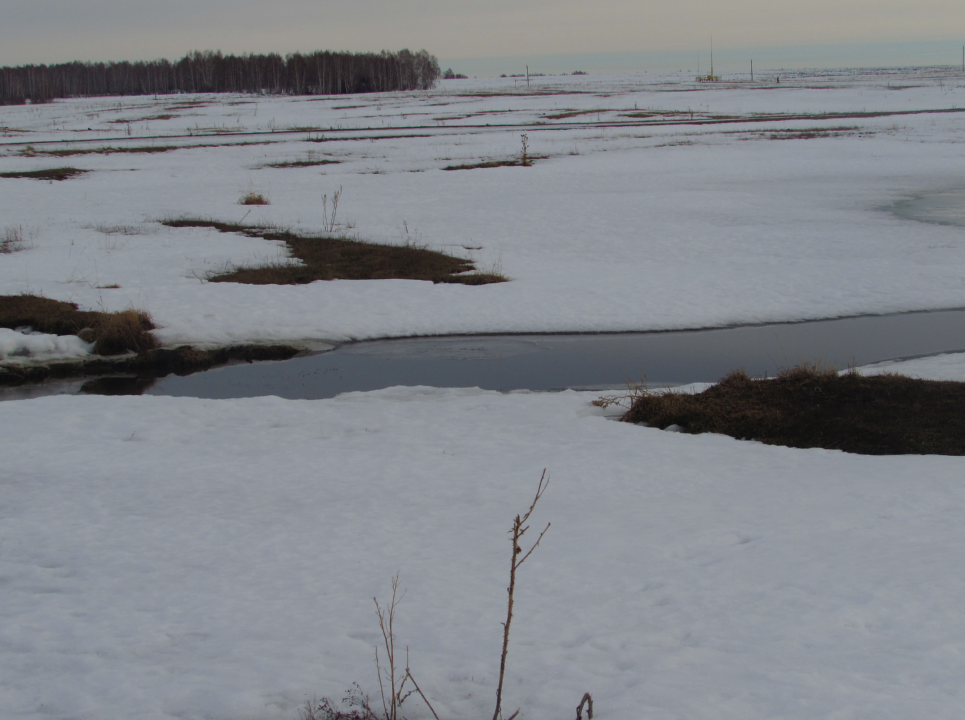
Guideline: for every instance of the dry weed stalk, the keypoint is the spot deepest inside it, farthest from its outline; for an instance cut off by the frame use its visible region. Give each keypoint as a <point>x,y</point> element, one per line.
<point>396,695</point>
<point>328,223</point>
<point>588,701</point>
<point>519,529</point>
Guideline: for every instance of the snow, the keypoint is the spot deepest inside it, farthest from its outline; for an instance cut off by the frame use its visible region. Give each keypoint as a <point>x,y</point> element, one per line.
<point>20,345</point>
<point>182,558</point>
<point>218,559</point>
<point>947,366</point>
<point>627,224</point>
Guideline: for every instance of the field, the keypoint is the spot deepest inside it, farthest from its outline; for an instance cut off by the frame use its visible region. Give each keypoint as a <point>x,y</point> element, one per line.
<point>175,557</point>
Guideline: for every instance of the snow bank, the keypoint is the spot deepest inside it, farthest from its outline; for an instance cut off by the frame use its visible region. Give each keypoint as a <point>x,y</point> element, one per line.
<point>947,366</point>
<point>18,346</point>
<point>169,557</point>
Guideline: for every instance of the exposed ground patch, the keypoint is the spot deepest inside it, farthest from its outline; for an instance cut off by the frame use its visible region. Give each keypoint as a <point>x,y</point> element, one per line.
<point>491,164</point>
<point>31,151</point>
<point>576,113</point>
<point>300,163</point>
<point>136,373</point>
<point>810,408</point>
<point>327,257</point>
<point>62,173</point>
<point>112,333</point>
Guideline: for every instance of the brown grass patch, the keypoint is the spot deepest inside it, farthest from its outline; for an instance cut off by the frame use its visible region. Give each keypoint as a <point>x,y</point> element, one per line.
<point>112,333</point>
<point>162,116</point>
<point>807,407</point>
<point>31,151</point>
<point>516,162</point>
<point>328,257</point>
<point>301,163</point>
<point>574,113</point>
<point>62,173</point>
<point>253,198</point>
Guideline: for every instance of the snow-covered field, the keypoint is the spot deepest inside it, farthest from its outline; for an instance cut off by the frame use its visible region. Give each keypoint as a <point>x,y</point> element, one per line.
<point>629,223</point>
<point>183,558</point>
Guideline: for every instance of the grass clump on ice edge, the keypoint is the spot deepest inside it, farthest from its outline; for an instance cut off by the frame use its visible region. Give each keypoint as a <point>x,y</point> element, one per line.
<point>113,333</point>
<point>813,407</point>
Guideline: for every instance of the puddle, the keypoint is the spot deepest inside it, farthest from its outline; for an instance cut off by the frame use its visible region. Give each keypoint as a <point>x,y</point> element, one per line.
<point>554,362</point>
<point>943,208</point>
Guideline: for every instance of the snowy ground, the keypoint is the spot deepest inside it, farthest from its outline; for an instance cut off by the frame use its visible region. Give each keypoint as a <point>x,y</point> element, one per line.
<point>181,558</point>
<point>630,223</point>
<point>221,563</point>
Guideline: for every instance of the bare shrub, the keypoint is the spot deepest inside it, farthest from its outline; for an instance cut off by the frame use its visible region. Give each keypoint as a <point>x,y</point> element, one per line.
<point>518,530</point>
<point>392,680</point>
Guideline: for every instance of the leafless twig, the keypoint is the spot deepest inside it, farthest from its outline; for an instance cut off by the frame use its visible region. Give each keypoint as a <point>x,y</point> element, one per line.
<point>519,529</point>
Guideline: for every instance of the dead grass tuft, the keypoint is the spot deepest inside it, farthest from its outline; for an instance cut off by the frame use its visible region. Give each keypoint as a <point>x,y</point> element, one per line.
<point>62,173</point>
<point>12,240</point>
<point>112,333</point>
<point>812,407</point>
<point>253,198</point>
<point>328,257</point>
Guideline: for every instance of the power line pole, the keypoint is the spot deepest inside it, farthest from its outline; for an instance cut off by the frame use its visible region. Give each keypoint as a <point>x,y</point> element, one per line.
<point>752,71</point>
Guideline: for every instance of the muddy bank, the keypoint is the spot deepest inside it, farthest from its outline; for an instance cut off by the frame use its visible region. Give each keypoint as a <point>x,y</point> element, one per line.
<point>145,367</point>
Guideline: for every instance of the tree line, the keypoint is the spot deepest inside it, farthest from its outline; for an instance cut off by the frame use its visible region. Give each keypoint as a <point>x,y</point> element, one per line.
<point>320,73</point>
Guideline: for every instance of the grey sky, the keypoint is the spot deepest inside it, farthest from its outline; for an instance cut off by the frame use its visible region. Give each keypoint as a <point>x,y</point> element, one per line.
<point>34,31</point>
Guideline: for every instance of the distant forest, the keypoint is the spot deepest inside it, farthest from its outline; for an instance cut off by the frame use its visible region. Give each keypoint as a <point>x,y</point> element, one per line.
<point>320,73</point>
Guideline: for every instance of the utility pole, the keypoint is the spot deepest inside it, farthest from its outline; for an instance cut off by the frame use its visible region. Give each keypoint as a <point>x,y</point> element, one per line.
<point>711,56</point>
<point>527,76</point>
<point>752,71</point>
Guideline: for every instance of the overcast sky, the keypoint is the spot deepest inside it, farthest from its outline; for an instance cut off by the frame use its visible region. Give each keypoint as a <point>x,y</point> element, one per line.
<point>48,31</point>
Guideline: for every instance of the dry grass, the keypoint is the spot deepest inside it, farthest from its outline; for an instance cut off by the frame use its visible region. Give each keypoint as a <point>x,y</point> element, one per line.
<point>31,151</point>
<point>12,239</point>
<point>253,198</point>
<point>300,163</point>
<point>329,257</point>
<point>809,407</point>
<point>120,229</point>
<point>515,162</point>
<point>112,333</point>
<point>62,173</point>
